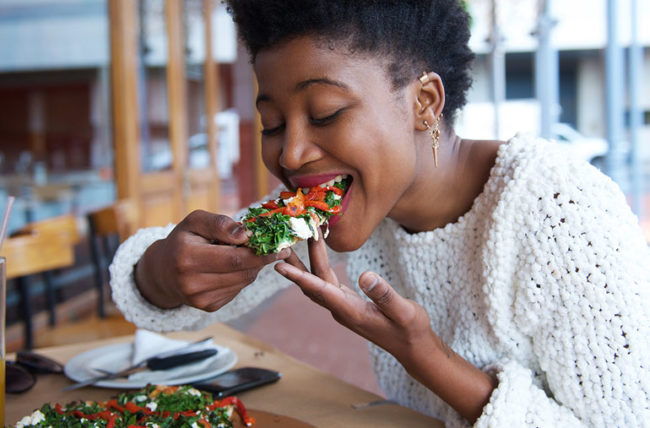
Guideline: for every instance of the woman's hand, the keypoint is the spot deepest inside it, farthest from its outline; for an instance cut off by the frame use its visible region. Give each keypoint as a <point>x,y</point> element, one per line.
<point>200,263</point>
<point>398,325</point>
<point>390,321</point>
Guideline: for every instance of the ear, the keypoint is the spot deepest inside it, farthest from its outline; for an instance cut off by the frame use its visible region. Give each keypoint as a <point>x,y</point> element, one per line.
<point>429,100</point>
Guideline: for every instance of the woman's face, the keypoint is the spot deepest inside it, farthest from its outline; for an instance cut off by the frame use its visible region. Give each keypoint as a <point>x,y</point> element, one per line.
<point>326,112</point>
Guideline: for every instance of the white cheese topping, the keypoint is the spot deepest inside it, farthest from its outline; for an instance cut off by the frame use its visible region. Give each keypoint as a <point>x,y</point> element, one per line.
<point>33,419</point>
<point>301,228</point>
<point>194,391</point>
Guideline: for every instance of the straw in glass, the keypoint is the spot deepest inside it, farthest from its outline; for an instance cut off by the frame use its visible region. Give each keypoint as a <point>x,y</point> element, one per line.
<point>5,220</point>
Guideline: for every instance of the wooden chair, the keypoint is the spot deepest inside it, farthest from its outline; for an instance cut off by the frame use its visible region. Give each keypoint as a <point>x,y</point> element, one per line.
<point>107,228</point>
<point>63,227</point>
<point>33,253</point>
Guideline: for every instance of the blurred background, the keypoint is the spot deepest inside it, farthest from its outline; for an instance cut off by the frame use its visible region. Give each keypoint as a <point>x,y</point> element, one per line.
<point>150,103</point>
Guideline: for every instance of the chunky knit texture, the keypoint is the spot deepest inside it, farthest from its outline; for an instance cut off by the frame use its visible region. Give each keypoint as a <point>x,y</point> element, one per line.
<point>545,282</point>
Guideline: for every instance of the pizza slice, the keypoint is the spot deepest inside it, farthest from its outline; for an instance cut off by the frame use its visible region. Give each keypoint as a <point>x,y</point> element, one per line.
<point>294,216</point>
<point>152,406</point>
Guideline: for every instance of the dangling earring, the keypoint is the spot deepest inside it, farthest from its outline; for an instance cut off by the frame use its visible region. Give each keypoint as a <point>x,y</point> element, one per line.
<point>435,138</point>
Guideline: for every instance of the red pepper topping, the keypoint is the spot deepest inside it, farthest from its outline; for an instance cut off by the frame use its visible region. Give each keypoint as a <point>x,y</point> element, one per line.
<point>134,408</point>
<point>321,205</point>
<point>316,194</point>
<point>335,190</point>
<point>112,404</point>
<point>111,421</point>
<point>270,205</point>
<point>270,213</point>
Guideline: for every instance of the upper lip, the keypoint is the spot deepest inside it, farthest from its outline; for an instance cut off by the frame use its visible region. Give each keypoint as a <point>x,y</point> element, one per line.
<point>312,180</point>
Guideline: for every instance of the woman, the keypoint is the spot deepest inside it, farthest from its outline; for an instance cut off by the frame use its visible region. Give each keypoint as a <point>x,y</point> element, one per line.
<point>507,285</point>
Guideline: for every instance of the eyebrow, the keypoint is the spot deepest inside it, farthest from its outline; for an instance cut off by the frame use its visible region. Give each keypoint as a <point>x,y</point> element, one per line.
<point>305,84</point>
<point>322,81</point>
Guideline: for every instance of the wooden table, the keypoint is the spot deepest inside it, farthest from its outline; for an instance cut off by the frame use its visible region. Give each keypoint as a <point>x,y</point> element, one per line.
<point>304,392</point>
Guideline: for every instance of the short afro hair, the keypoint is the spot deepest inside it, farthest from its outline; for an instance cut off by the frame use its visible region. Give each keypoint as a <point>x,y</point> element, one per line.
<point>414,35</point>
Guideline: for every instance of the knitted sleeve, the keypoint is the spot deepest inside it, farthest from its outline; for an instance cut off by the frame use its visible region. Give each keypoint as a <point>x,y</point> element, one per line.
<point>580,300</point>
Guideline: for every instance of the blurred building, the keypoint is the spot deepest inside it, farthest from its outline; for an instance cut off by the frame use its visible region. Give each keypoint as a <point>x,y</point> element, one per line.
<point>578,34</point>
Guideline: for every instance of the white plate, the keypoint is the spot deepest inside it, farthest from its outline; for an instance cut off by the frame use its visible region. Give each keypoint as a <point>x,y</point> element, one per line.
<point>116,357</point>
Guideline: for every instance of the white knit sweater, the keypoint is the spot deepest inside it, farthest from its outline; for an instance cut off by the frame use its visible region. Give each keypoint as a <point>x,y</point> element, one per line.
<point>545,282</point>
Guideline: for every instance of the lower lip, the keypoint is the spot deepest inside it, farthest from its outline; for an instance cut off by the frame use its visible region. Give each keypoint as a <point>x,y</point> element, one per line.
<point>344,205</point>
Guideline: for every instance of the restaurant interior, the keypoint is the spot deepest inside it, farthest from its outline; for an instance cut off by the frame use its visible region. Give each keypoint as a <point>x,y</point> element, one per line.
<point>127,114</point>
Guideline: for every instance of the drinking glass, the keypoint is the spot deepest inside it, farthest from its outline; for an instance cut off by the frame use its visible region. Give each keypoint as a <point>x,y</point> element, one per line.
<point>3,304</point>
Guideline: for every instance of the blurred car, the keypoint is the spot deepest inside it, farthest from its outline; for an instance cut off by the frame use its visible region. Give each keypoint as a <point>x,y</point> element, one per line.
<point>590,149</point>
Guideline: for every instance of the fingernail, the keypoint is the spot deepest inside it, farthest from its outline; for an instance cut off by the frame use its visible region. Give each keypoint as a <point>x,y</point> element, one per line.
<point>281,268</point>
<point>238,230</point>
<point>369,282</point>
<point>284,253</point>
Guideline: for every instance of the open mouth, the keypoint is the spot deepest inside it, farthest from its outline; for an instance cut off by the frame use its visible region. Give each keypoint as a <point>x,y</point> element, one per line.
<point>343,182</point>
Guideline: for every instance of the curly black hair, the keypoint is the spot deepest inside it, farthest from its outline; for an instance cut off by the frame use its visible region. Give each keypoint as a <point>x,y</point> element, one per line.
<point>415,35</point>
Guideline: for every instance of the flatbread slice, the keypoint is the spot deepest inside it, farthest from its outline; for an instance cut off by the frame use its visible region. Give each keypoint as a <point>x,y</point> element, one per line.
<point>294,216</point>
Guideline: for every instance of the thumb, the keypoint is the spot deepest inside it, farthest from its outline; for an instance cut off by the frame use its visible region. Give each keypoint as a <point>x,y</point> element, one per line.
<point>216,228</point>
<point>382,294</point>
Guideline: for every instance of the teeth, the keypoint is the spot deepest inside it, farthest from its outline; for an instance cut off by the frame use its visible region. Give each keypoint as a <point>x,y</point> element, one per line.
<point>336,179</point>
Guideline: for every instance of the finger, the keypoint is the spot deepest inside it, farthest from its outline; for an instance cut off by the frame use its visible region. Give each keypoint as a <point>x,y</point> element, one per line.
<point>216,227</point>
<point>317,289</point>
<point>212,300</point>
<point>319,261</point>
<point>346,306</point>
<point>294,260</point>
<point>211,258</point>
<point>207,282</point>
<point>389,302</point>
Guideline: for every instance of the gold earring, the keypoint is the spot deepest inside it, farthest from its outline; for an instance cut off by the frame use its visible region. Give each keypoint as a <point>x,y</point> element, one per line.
<point>424,78</point>
<point>435,138</point>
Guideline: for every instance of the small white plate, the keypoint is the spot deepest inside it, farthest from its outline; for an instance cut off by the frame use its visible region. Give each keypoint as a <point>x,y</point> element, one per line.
<point>117,357</point>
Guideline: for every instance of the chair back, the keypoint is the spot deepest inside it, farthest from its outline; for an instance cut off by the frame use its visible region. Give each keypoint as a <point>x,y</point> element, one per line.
<point>35,252</point>
<point>120,218</point>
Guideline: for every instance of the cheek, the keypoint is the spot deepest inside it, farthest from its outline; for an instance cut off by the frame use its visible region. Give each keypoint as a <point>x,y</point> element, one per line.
<point>270,156</point>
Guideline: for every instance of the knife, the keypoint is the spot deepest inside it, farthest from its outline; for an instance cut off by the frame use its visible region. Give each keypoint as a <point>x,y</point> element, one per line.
<point>163,361</point>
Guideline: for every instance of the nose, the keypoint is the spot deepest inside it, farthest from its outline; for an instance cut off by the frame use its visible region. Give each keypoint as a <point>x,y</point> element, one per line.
<point>297,148</point>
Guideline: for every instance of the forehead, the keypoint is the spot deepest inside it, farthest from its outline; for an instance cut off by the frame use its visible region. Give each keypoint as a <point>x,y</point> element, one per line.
<point>282,67</point>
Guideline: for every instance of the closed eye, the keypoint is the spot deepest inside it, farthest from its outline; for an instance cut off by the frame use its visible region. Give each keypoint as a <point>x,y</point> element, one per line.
<point>271,131</point>
<point>327,119</point>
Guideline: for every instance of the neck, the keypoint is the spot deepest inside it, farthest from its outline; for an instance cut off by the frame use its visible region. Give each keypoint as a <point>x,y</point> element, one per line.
<point>441,195</point>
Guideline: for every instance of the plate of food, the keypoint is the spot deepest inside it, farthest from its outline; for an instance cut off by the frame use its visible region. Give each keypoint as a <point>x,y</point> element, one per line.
<point>113,358</point>
<point>156,405</point>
